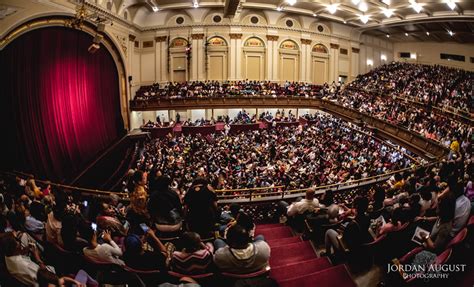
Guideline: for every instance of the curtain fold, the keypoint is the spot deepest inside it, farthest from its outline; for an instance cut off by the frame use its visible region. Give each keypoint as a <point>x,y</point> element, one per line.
<point>60,105</point>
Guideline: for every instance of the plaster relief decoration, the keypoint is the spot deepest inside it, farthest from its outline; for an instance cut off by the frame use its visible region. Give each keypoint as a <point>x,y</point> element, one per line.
<point>254,42</point>
<point>216,41</point>
<point>288,45</point>
<point>7,11</point>
<point>123,43</point>
<point>319,48</point>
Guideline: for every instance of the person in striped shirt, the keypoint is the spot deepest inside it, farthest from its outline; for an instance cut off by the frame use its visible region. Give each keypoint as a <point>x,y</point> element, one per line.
<point>194,258</point>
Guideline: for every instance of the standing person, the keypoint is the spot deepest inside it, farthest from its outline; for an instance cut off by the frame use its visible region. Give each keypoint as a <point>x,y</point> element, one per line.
<point>201,207</point>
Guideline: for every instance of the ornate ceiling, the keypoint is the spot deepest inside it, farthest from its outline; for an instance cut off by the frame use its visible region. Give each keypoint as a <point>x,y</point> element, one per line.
<point>420,20</point>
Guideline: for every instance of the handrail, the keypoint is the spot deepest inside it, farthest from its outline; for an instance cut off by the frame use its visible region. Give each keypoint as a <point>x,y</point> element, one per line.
<point>247,193</point>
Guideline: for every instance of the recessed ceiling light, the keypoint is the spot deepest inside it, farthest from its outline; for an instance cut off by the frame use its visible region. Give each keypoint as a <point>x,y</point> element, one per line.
<point>451,4</point>
<point>450,33</point>
<point>279,8</point>
<point>291,2</point>
<point>387,2</point>
<point>406,34</point>
<point>388,36</point>
<point>364,18</point>
<point>314,15</point>
<point>355,2</point>
<point>427,33</point>
<point>332,8</point>
<point>155,9</point>
<point>196,4</point>
<point>345,22</point>
<point>363,7</point>
<point>387,12</point>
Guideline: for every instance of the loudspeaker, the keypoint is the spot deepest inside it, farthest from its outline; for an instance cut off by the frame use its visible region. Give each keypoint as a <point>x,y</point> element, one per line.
<point>100,27</point>
<point>130,78</point>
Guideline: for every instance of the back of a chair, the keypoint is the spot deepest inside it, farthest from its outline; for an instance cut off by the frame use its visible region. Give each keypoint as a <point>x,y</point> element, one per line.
<point>444,256</point>
<point>458,239</point>
<point>263,272</point>
<point>195,276</point>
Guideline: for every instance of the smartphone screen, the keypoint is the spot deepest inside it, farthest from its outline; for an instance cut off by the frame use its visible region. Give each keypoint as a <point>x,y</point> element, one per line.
<point>85,203</point>
<point>94,226</point>
<point>144,227</point>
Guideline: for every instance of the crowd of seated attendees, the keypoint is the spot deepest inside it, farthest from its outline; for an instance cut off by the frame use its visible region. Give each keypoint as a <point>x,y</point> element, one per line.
<point>438,199</point>
<point>380,93</point>
<point>428,123</point>
<point>106,231</point>
<point>329,151</point>
<point>280,116</point>
<point>226,89</point>
<point>433,85</point>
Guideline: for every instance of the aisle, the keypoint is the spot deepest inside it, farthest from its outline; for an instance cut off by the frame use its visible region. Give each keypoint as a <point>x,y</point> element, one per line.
<point>294,263</point>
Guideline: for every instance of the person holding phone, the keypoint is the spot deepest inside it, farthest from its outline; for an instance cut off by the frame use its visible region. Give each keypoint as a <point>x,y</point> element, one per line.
<point>22,267</point>
<point>108,252</point>
<point>137,257</point>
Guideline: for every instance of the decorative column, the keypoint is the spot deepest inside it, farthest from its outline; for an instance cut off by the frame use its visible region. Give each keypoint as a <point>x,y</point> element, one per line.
<point>354,63</point>
<point>272,58</point>
<point>197,57</point>
<point>235,56</point>
<point>161,59</point>
<point>305,60</point>
<point>334,63</point>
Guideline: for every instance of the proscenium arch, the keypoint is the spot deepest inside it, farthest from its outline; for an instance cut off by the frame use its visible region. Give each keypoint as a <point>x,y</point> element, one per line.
<point>89,28</point>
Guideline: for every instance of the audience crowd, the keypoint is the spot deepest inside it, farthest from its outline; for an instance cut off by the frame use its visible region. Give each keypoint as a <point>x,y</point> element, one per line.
<point>329,151</point>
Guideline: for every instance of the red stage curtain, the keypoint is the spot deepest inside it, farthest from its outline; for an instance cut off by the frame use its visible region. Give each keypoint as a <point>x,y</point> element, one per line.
<point>60,105</point>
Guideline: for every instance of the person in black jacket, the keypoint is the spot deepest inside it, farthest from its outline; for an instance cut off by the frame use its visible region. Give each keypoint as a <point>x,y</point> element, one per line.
<point>164,206</point>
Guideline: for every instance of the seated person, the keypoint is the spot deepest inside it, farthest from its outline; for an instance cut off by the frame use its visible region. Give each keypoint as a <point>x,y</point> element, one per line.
<point>18,263</point>
<point>107,219</point>
<point>47,279</point>
<point>241,255</point>
<point>138,257</point>
<point>356,232</point>
<point>69,233</point>
<point>195,257</point>
<point>397,222</point>
<point>435,242</point>
<point>164,206</point>
<point>307,204</point>
<point>108,252</point>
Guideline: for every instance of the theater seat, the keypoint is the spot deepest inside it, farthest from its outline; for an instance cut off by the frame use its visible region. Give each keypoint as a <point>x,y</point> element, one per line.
<point>458,239</point>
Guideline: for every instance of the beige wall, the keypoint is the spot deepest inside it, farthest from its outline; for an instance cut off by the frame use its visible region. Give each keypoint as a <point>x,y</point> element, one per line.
<point>372,49</point>
<point>429,53</point>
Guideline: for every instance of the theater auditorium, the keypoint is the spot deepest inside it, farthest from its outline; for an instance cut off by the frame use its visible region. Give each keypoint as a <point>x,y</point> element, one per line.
<point>237,143</point>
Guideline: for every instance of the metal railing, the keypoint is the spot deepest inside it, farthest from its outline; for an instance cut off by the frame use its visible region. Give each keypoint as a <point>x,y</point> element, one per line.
<point>242,195</point>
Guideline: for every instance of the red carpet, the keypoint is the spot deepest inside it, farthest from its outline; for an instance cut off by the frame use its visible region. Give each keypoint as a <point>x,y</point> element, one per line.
<point>298,269</point>
<point>331,277</point>
<point>294,263</point>
<point>274,232</point>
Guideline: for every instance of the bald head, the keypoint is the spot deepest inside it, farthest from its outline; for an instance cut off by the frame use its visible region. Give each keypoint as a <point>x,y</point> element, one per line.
<point>310,193</point>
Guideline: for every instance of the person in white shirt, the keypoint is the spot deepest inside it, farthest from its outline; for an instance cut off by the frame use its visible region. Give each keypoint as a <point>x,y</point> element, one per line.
<point>17,261</point>
<point>108,252</point>
<point>309,203</point>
